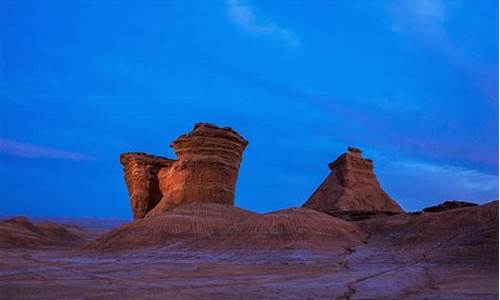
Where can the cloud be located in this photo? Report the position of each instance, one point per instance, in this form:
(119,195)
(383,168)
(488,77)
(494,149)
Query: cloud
(244,16)
(26,150)
(425,21)
(425,16)
(444,176)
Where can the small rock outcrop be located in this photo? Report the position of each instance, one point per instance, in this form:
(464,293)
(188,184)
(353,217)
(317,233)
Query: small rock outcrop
(448,205)
(351,191)
(206,170)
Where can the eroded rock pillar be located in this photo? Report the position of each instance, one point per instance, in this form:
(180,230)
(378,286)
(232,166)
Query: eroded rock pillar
(141,175)
(206,170)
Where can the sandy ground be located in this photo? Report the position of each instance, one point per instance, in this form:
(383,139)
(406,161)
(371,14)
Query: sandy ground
(449,255)
(360,273)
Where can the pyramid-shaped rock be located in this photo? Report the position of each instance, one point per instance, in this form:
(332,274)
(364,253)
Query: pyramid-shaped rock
(351,191)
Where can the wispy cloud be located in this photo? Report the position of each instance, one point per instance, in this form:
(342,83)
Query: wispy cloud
(410,15)
(26,150)
(449,177)
(245,17)
(426,21)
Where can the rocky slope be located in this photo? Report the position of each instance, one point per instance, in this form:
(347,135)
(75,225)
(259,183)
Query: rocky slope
(292,228)
(214,226)
(189,221)
(469,232)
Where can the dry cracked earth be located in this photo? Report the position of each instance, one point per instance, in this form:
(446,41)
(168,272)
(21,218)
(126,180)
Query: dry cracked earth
(216,252)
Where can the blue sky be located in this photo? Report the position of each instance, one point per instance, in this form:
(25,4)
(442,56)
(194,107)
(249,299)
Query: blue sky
(412,82)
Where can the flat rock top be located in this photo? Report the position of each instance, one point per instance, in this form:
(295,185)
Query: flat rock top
(144,158)
(213,131)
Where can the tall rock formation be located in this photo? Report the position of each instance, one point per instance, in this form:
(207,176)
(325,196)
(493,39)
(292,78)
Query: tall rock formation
(351,191)
(141,175)
(206,170)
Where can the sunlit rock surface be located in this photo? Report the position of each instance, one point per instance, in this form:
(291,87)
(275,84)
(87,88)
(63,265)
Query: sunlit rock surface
(206,170)
(351,190)
(141,175)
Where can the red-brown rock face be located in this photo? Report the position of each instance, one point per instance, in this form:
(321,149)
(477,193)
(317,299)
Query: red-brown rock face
(208,161)
(351,190)
(141,175)
(206,171)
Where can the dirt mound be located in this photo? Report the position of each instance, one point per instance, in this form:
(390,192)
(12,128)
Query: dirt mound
(189,221)
(291,228)
(20,232)
(469,231)
(210,225)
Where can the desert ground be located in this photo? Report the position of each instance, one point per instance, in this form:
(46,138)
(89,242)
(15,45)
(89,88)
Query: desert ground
(292,254)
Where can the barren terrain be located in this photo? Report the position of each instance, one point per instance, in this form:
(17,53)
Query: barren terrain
(446,255)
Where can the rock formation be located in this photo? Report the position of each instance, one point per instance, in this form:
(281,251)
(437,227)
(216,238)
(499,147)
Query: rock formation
(206,170)
(462,231)
(141,175)
(351,191)
(448,205)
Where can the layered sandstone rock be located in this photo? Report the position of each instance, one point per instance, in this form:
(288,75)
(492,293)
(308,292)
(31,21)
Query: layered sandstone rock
(292,228)
(141,175)
(351,191)
(206,170)
(189,221)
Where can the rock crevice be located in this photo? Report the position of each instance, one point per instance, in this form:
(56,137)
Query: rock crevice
(141,175)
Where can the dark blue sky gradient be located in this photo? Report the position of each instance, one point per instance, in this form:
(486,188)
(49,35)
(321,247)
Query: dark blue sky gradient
(413,82)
